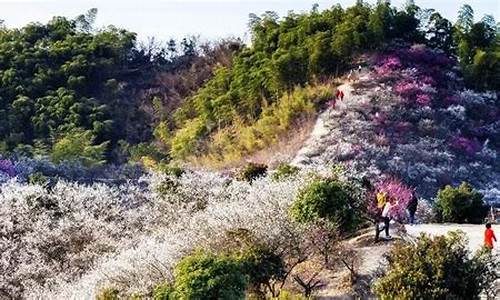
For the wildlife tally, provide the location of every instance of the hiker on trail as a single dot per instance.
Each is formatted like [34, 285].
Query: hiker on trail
[489, 236]
[412, 208]
[359, 70]
[386, 218]
[349, 76]
[341, 95]
[337, 94]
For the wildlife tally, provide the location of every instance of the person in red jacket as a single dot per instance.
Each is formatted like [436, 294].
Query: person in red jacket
[337, 94]
[341, 95]
[489, 236]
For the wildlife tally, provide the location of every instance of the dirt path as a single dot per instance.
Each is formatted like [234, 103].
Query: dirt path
[322, 129]
[372, 256]
[326, 136]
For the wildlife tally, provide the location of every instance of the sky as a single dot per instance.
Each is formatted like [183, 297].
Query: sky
[209, 19]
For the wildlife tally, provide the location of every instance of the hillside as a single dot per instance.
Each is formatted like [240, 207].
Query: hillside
[280, 82]
[408, 116]
[222, 171]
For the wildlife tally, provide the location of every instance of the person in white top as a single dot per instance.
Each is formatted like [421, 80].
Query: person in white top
[386, 217]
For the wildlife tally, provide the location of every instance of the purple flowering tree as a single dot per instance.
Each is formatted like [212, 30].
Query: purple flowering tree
[392, 188]
[7, 167]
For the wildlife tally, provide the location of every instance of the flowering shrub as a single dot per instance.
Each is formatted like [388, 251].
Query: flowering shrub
[392, 188]
[421, 72]
[423, 99]
[71, 241]
[414, 92]
[465, 145]
[7, 167]
[387, 65]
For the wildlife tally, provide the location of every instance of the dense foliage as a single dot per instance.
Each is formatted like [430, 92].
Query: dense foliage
[205, 276]
[326, 199]
[460, 204]
[411, 117]
[64, 76]
[287, 52]
[73, 227]
[262, 267]
[437, 268]
[67, 76]
[252, 171]
[284, 171]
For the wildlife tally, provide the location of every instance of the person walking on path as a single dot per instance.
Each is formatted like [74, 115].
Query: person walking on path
[337, 94]
[349, 76]
[412, 208]
[386, 218]
[333, 102]
[489, 236]
[341, 95]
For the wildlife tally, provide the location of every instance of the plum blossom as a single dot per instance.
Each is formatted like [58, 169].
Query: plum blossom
[7, 167]
[466, 145]
[393, 188]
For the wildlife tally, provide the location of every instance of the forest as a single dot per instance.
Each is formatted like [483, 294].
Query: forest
[68, 89]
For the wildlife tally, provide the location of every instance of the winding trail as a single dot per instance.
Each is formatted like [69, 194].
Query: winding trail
[326, 138]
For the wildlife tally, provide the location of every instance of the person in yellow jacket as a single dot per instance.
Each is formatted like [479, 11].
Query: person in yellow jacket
[386, 217]
[381, 199]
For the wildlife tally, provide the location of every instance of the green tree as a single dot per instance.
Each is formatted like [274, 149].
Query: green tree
[325, 199]
[77, 145]
[440, 33]
[465, 19]
[460, 204]
[206, 276]
[436, 268]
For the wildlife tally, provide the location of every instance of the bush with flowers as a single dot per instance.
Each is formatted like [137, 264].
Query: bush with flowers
[391, 188]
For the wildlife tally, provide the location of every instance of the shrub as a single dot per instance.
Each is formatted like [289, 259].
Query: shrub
[252, 171]
[77, 145]
[262, 266]
[285, 171]
[435, 268]
[460, 204]
[186, 140]
[137, 152]
[393, 188]
[108, 294]
[286, 295]
[164, 291]
[38, 178]
[206, 276]
[166, 186]
[171, 170]
[325, 199]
